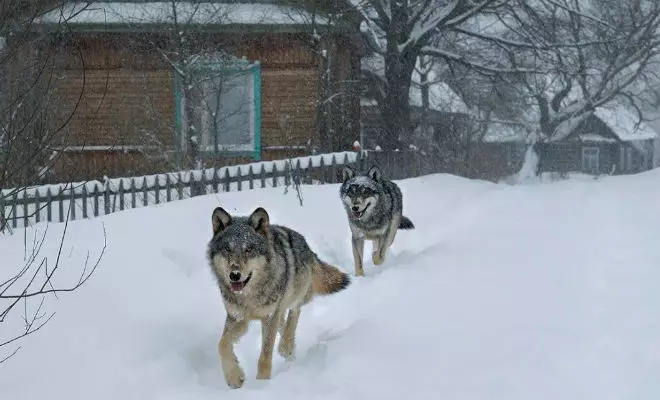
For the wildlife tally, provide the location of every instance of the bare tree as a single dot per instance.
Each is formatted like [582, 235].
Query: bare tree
[399, 33]
[31, 129]
[23, 294]
[587, 54]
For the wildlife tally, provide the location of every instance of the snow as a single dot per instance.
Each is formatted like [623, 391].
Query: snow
[592, 137]
[625, 124]
[503, 132]
[161, 12]
[501, 292]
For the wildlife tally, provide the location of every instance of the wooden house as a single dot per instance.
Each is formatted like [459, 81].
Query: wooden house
[608, 141]
[127, 82]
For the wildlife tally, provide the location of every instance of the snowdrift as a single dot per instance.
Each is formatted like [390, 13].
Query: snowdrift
[504, 292]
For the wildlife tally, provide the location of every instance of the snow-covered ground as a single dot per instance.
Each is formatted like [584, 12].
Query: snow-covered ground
[547, 291]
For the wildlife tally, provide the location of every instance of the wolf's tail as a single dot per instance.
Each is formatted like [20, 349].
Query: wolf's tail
[327, 279]
[405, 223]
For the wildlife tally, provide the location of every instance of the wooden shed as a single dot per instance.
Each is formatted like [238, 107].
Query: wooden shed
[608, 141]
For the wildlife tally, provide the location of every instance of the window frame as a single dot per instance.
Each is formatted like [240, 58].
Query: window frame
[253, 149]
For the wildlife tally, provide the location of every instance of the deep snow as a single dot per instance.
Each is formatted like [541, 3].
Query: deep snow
[531, 292]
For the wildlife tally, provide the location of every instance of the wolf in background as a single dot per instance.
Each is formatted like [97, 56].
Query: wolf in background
[263, 270]
[374, 208]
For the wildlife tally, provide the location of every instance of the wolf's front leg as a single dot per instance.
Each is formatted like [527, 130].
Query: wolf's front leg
[269, 327]
[288, 339]
[383, 244]
[358, 254]
[233, 331]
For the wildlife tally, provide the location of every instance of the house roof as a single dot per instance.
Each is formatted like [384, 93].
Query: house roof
[109, 16]
[625, 125]
[504, 132]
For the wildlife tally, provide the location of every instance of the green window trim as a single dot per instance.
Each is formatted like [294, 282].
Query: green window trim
[241, 66]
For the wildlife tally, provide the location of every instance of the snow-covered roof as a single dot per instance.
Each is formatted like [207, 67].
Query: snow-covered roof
[625, 124]
[162, 12]
[502, 132]
[592, 137]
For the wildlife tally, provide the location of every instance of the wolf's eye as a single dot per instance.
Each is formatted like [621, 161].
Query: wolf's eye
[226, 248]
[248, 248]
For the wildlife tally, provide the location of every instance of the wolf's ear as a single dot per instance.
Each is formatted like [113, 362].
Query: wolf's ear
[347, 173]
[260, 221]
[375, 173]
[220, 220]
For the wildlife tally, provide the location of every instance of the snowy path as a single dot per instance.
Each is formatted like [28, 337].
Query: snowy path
[529, 292]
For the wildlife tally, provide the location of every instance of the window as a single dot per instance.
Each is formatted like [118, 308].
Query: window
[225, 103]
[590, 160]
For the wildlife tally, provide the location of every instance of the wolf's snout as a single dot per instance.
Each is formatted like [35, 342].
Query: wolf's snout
[355, 208]
[234, 276]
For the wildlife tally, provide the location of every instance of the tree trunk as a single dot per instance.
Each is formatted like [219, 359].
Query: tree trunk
[395, 109]
[192, 135]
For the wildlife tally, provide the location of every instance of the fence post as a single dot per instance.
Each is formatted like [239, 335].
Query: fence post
[26, 212]
[106, 197]
[133, 194]
[49, 205]
[37, 206]
[275, 174]
[251, 177]
[324, 171]
[121, 194]
[297, 173]
[179, 185]
[262, 175]
[287, 172]
[95, 193]
[145, 192]
[215, 180]
[60, 203]
[168, 195]
[84, 200]
[156, 187]
[226, 181]
[72, 203]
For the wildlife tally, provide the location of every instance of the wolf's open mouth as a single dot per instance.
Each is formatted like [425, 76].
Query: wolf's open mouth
[238, 286]
[359, 214]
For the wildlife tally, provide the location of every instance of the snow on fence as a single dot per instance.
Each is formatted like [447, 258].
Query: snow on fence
[59, 203]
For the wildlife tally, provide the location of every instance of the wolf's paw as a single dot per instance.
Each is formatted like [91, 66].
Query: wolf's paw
[378, 258]
[286, 349]
[264, 369]
[235, 376]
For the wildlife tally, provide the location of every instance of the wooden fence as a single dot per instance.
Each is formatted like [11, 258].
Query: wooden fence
[59, 203]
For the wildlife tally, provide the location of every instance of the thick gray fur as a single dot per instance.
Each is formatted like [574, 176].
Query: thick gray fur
[380, 205]
[278, 272]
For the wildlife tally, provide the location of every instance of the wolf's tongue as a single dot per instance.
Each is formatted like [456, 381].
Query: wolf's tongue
[357, 214]
[237, 286]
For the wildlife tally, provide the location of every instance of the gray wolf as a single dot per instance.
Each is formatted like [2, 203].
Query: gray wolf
[374, 208]
[262, 271]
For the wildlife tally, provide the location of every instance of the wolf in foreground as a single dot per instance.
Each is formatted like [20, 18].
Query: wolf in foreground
[263, 270]
[374, 208]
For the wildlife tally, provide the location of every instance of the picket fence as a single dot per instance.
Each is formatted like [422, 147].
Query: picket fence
[59, 203]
